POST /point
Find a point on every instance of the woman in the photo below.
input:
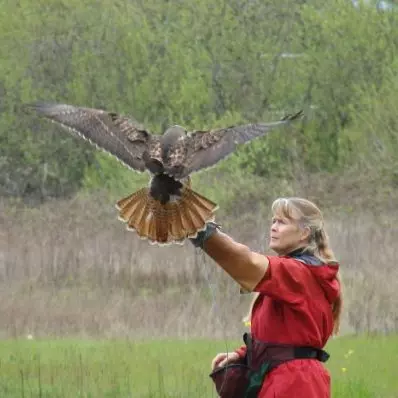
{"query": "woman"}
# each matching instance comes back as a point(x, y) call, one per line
point(298, 297)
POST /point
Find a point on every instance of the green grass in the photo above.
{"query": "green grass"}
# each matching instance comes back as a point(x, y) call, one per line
point(74, 368)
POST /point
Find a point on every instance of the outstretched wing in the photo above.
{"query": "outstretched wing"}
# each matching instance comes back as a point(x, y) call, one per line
point(202, 149)
point(120, 136)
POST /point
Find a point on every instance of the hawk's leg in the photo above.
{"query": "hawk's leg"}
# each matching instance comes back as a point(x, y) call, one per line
point(163, 186)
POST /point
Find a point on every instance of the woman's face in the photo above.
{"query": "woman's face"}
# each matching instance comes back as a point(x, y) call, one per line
point(286, 236)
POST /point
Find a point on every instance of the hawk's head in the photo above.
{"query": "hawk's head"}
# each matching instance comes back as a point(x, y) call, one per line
point(171, 135)
point(174, 132)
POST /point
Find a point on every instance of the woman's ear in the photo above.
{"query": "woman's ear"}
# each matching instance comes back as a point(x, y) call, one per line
point(305, 233)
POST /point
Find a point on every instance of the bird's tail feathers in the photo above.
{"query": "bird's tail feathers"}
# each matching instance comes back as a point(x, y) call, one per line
point(182, 217)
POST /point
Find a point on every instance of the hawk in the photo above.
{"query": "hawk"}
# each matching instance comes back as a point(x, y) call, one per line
point(167, 210)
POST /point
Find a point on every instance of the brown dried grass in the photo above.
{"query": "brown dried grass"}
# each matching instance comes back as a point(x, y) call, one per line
point(69, 268)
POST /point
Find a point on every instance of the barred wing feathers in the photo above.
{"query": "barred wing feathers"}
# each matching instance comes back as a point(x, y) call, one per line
point(201, 149)
point(120, 136)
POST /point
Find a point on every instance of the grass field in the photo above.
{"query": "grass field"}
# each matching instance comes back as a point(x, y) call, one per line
point(361, 367)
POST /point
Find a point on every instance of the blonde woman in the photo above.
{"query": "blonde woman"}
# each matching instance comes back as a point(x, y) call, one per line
point(296, 309)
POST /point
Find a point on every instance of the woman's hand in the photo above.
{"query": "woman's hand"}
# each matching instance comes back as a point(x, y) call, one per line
point(223, 359)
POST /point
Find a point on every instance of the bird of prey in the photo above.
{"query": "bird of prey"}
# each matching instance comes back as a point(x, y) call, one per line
point(168, 210)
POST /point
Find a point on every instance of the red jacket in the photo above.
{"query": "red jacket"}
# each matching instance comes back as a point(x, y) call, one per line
point(295, 307)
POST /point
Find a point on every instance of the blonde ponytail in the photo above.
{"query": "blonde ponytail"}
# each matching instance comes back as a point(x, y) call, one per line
point(325, 254)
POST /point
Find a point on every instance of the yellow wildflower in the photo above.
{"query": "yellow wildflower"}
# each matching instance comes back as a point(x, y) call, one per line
point(350, 352)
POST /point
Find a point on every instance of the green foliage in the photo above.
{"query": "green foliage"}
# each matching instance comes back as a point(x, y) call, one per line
point(112, 177)
point(200, 65)
point(35, 60)
point(345, 55)
point(359, 366)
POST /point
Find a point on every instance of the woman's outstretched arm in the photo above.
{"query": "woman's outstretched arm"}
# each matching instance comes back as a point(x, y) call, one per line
point(245, 266)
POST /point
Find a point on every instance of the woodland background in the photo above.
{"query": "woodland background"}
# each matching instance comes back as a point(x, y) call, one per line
point(68, 267)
